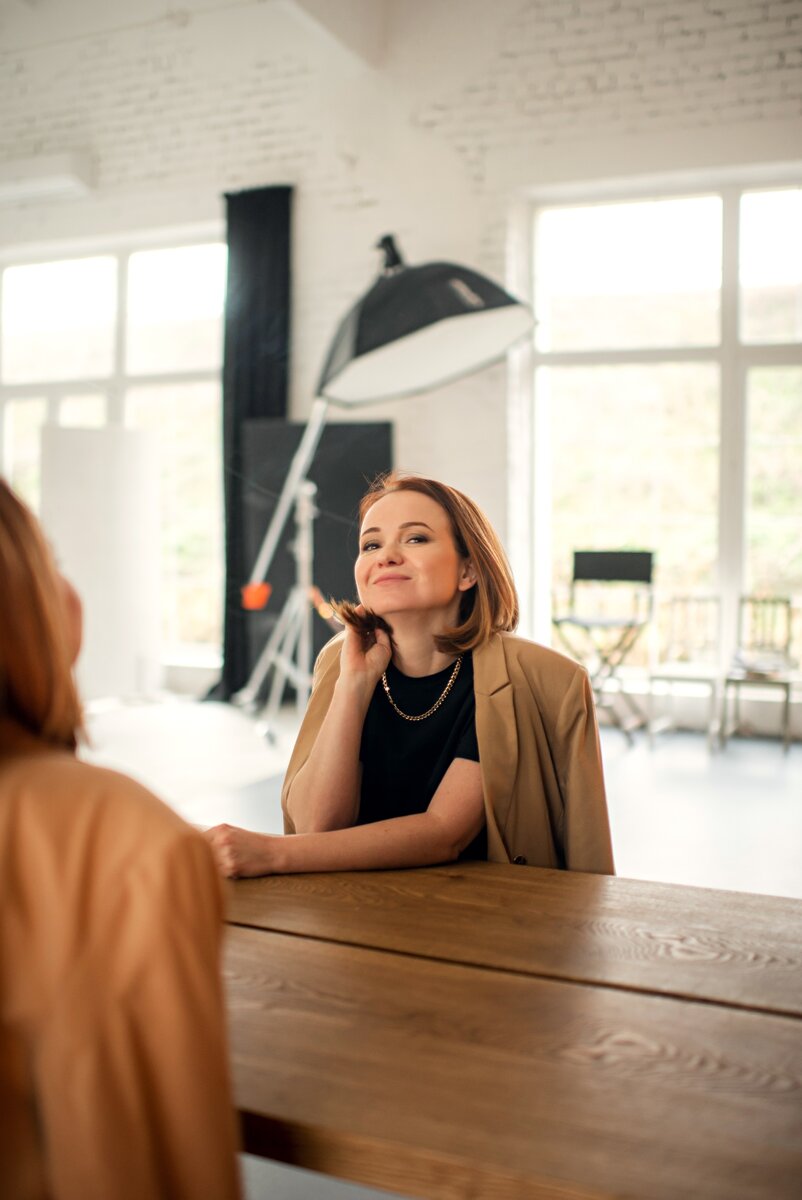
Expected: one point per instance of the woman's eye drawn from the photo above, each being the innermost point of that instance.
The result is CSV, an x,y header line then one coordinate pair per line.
x,y
418,537
369,546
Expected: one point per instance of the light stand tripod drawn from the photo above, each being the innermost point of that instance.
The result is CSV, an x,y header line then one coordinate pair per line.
x,y
289,648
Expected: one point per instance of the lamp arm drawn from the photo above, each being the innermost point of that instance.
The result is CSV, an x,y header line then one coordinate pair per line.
x,y
298,467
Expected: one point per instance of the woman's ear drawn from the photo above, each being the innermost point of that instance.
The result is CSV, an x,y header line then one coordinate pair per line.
x,y
467,575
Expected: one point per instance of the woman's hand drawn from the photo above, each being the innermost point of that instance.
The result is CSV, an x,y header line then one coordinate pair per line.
x,y
365,657
239,853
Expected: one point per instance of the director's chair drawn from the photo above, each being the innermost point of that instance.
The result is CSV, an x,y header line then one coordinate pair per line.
x,y
610,605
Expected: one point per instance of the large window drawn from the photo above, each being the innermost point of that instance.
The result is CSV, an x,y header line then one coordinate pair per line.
x,y
134,337
668,389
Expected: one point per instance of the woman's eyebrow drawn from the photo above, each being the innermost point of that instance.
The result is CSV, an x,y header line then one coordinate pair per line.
x,y
405,525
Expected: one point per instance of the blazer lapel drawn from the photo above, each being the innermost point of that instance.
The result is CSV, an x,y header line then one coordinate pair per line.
x,y
496,730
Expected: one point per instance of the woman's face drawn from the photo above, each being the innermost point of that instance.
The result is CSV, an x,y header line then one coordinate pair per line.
x,y
73,615
407,558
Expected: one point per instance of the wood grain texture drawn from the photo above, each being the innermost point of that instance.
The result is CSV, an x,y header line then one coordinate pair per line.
x,y
725,947
450,1082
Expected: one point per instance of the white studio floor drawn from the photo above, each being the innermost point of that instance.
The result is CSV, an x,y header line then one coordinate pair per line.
x,y
679,815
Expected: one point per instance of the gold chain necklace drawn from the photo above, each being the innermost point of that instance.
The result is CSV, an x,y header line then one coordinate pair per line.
x,y
437,703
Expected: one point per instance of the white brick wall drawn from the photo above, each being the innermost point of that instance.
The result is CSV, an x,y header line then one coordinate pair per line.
x,y
570,71
472,103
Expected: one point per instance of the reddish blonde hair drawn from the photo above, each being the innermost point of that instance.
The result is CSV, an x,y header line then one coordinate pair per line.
x,y
491,606
37,689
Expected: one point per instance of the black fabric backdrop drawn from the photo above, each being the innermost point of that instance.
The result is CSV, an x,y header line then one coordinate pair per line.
x,y
256,345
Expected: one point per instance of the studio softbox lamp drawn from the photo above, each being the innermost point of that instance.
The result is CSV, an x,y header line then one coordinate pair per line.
x,y
418,328
415,329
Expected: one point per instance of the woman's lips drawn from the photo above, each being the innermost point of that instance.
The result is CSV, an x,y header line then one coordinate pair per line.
x,y
391,579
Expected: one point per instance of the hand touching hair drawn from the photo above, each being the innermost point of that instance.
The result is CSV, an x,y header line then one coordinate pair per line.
x,y
357,617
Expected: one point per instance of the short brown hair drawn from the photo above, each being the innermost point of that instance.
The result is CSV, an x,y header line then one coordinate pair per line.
x,y
37,689
491,606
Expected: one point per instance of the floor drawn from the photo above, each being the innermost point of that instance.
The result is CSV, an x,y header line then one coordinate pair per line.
x,y
679,814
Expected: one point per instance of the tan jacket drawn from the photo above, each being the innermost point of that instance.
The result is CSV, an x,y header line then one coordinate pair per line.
x,y
538,748
113,1060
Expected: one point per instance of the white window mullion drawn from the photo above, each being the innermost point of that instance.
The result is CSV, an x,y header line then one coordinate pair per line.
x,y
115,413
732,453
618,358
522,510
100,383
543,486
782,354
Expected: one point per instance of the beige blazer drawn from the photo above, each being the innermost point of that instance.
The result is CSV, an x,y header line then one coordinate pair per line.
x,y
113,1061
538,747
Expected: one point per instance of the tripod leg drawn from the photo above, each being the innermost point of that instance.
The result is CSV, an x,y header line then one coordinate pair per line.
x,y
284,656
249,693
281,661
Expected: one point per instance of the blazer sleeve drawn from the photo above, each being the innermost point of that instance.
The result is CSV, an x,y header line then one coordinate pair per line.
x,y
133,1082
587,845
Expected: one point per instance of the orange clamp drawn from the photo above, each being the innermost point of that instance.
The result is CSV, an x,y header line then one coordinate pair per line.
x,y
255,596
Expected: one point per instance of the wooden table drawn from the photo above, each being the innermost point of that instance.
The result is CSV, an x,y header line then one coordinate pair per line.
x,y
507,1032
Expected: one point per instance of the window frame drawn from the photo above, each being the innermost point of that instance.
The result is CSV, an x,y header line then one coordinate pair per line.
x,y
529,532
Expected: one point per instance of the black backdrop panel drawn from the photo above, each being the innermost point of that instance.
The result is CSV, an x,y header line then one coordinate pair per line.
x,y
348,457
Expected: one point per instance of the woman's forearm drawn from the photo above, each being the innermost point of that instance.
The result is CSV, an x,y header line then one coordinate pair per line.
x,y
325,793
415,841
453,819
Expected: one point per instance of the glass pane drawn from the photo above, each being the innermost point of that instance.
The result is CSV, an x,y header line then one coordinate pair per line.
x,y
175,305
771,266
22,439
774,513
58,320
188,421
613,276
635,466
83,411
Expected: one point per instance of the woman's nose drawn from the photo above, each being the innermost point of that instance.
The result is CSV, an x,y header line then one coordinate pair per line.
x,y
390,553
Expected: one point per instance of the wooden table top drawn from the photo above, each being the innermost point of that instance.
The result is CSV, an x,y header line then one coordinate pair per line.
x,y
439,1079
728,948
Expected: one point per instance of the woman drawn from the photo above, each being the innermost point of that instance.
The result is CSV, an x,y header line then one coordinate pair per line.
x,y
113,1065
431,732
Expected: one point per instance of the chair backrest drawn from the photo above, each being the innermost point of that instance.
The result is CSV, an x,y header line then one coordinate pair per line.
x,y
613,566
764,625
612,580
689,629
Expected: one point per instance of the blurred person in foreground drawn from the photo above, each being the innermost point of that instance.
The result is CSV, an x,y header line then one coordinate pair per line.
x,y
113,1060
432,732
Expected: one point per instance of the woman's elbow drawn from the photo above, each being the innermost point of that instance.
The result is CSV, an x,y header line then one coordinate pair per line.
x,y
319,824
450,844
309,827
465,835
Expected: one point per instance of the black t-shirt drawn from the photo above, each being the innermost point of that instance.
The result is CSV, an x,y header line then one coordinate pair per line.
x,y
403,762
